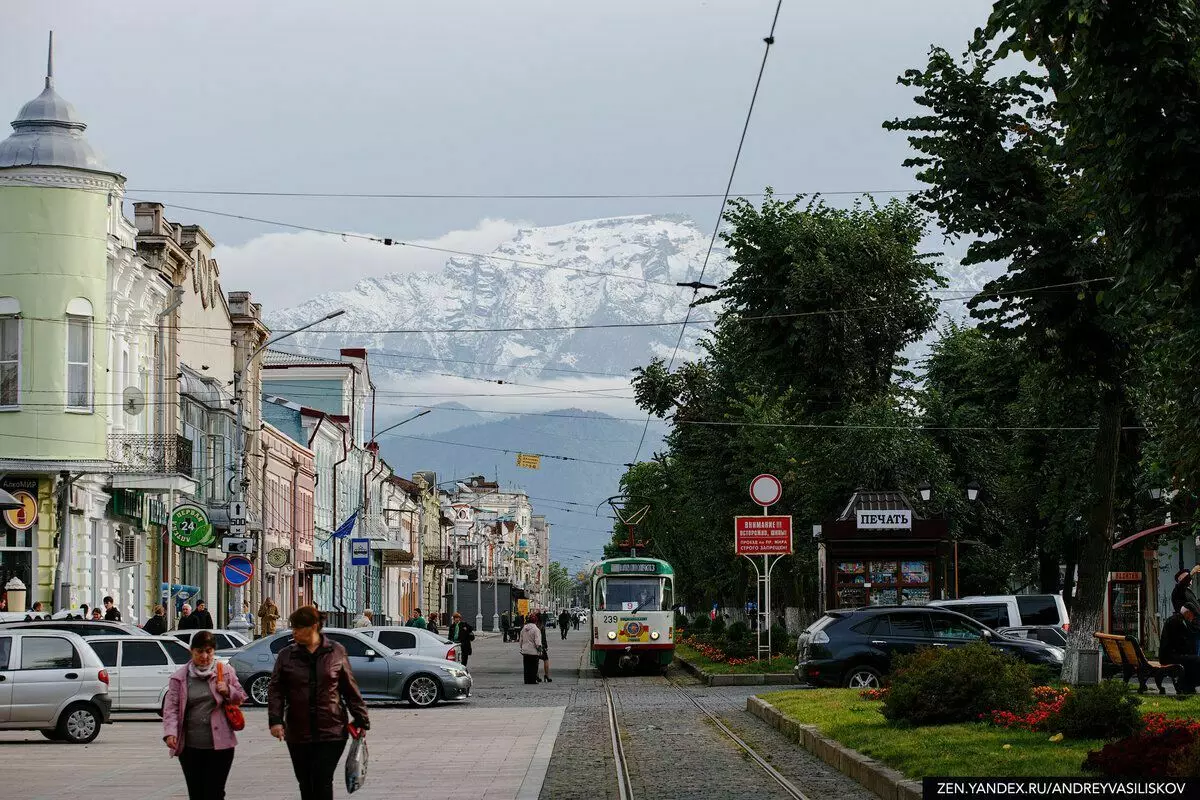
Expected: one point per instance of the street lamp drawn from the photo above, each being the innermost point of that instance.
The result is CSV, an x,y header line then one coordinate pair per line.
x,y
972,496
239,623
1156,493
926,491
973,491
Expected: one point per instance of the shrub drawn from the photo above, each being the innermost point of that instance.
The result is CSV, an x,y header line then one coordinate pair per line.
x,y
958,684
700,623
681,622
717,628
780,641
1043,716
737,632
1186,763
1166,748
1107,710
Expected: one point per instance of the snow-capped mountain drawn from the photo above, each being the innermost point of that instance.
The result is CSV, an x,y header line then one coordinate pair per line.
x,y
594,272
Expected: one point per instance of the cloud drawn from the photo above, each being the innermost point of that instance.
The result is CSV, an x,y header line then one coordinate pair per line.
x,y
285,269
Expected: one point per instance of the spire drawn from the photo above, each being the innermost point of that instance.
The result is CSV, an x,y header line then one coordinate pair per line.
x,y
50,63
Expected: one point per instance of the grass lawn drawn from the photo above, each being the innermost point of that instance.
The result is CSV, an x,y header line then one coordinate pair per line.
x,y
777,664
973,749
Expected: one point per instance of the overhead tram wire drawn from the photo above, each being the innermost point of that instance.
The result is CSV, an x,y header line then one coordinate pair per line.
x,y
484,196
769,41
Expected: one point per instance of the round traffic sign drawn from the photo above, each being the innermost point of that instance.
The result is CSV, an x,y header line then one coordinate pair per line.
x,y
766,490
237,570
189,525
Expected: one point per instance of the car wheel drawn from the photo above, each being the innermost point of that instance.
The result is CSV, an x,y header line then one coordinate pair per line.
x,y
259,685
51,734
79,724
423,691
863,678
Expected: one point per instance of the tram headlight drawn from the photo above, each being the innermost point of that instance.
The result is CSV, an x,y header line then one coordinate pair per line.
x,y
653,634
612,634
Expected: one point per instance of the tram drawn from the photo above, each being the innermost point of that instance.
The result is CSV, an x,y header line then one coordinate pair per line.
x,y
632,619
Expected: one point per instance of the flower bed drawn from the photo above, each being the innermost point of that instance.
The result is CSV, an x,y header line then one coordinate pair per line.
x,y
712,659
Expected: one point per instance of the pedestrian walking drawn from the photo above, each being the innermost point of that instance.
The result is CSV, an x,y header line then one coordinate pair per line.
x,y
204,620
310,700
505,626
111,614
157,624
364,620
564,620
545,654
431,625
195,725
417,620
530,641
246,616
268,613
187,622
575,620
463,634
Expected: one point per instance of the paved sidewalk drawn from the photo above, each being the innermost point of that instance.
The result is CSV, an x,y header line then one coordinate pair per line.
x,y
463,752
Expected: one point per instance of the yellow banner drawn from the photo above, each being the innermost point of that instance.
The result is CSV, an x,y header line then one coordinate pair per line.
x,y
527,461
523,607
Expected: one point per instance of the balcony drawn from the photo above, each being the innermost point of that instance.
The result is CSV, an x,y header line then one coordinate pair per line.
x,y
151,463
438,556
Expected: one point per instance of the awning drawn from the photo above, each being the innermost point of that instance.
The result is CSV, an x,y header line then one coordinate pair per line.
x,y
7,501
1146,533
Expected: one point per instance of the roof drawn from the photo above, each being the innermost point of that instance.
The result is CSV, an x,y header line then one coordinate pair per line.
x,y
863,500
281,358
48,133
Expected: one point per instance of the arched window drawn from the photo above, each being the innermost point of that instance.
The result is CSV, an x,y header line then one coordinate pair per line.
x,y
79,355
10,353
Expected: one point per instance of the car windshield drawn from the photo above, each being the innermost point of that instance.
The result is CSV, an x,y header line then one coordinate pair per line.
x,y
633,594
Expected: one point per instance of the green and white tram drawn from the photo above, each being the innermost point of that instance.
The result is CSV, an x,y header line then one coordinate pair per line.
x,y
633,622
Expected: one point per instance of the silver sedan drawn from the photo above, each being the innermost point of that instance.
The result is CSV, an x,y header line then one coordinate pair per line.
x,y
382,676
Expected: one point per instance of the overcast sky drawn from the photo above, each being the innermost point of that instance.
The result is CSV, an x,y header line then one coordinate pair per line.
x,y
516,97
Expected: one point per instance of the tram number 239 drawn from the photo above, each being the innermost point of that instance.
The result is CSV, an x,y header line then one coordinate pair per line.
x,y
610,619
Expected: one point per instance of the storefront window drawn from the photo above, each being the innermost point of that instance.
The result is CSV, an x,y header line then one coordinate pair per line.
x,y
881,583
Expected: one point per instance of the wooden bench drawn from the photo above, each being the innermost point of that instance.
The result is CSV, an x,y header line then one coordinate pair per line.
x,y
1125,652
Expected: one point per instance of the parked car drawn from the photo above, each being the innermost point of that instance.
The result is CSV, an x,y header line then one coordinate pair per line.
x,y
139,668
52,681
77,626
1048,634
382,675
412,641
22,616
226,639
854,648
1011,610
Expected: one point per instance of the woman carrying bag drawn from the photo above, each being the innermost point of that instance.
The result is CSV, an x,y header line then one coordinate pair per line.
x,y
200,715
311,690
530,642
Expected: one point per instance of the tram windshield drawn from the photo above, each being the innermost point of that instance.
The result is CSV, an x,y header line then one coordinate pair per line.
x,y
633,594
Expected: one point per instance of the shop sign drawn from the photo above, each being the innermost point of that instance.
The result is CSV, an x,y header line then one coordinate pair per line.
x,y
25,517
190,526
885,520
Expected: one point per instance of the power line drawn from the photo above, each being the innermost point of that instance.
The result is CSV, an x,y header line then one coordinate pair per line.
x,y
484,196
505,450
769,40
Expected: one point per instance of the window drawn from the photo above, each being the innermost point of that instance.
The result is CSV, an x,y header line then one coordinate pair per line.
x,y
79,354
280,643
948,627
48,652
867,627
5,652
397,640
142,654
178,652
10,353
1038,609
628,594
908,626
354,646
223,642
107,652
994,615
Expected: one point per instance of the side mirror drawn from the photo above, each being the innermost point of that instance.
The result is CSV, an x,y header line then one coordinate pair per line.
x,y
372,654
987,634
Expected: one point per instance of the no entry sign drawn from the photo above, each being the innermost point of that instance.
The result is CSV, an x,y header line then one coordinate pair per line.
x,y
762,536
237,570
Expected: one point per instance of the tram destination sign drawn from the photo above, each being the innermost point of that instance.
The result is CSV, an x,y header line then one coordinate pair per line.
x,y
643,567
762,536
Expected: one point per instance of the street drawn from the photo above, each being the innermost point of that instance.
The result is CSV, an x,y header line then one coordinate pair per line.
x,y
508,741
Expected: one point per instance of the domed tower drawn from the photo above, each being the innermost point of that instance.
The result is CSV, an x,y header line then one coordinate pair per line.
x,y
56,200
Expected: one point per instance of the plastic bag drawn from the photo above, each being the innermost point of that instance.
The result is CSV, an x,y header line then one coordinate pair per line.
x,y
356,763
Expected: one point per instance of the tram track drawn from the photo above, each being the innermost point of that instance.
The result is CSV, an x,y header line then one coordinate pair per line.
x,y
624,779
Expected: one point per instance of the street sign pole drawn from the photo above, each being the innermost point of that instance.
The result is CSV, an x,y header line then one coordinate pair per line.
x,y
766,539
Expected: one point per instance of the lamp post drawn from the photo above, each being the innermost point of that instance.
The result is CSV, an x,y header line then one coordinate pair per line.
x,y
239,623
925,490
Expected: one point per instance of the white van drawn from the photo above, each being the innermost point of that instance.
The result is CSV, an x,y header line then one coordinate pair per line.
x,y
1011,610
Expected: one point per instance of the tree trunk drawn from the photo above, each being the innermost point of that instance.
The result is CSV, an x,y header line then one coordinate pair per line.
x,y
1095,551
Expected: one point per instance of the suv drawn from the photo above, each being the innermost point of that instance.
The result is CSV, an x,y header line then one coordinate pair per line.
x,y
1011,610
53,682
854,648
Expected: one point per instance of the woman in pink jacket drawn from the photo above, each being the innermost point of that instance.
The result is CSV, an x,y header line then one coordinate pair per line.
x,y
194,723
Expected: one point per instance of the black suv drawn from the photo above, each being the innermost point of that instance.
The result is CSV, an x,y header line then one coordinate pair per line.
x,y
854,647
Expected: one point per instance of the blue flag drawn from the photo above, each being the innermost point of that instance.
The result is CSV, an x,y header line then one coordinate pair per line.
x,y
346,527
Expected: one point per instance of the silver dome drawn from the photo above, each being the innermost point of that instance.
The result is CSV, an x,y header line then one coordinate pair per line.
x,y
48,133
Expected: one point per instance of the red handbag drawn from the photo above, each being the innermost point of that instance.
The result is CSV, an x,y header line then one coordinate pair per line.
x,y
233,713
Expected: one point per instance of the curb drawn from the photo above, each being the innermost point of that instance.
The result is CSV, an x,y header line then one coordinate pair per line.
x,y
879,778
742,679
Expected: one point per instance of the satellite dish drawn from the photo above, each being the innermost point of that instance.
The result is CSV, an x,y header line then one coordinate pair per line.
x,y
133,401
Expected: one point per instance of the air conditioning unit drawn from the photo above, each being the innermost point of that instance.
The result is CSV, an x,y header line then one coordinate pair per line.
x,y
129,549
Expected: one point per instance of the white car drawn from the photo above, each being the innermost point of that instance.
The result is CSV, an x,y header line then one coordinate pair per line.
x,y
412,641
1011,610
139,668
226,639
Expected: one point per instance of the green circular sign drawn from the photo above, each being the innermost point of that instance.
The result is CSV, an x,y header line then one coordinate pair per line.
x,y
190,526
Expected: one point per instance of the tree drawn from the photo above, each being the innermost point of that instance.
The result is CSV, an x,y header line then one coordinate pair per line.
x,y
992,150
